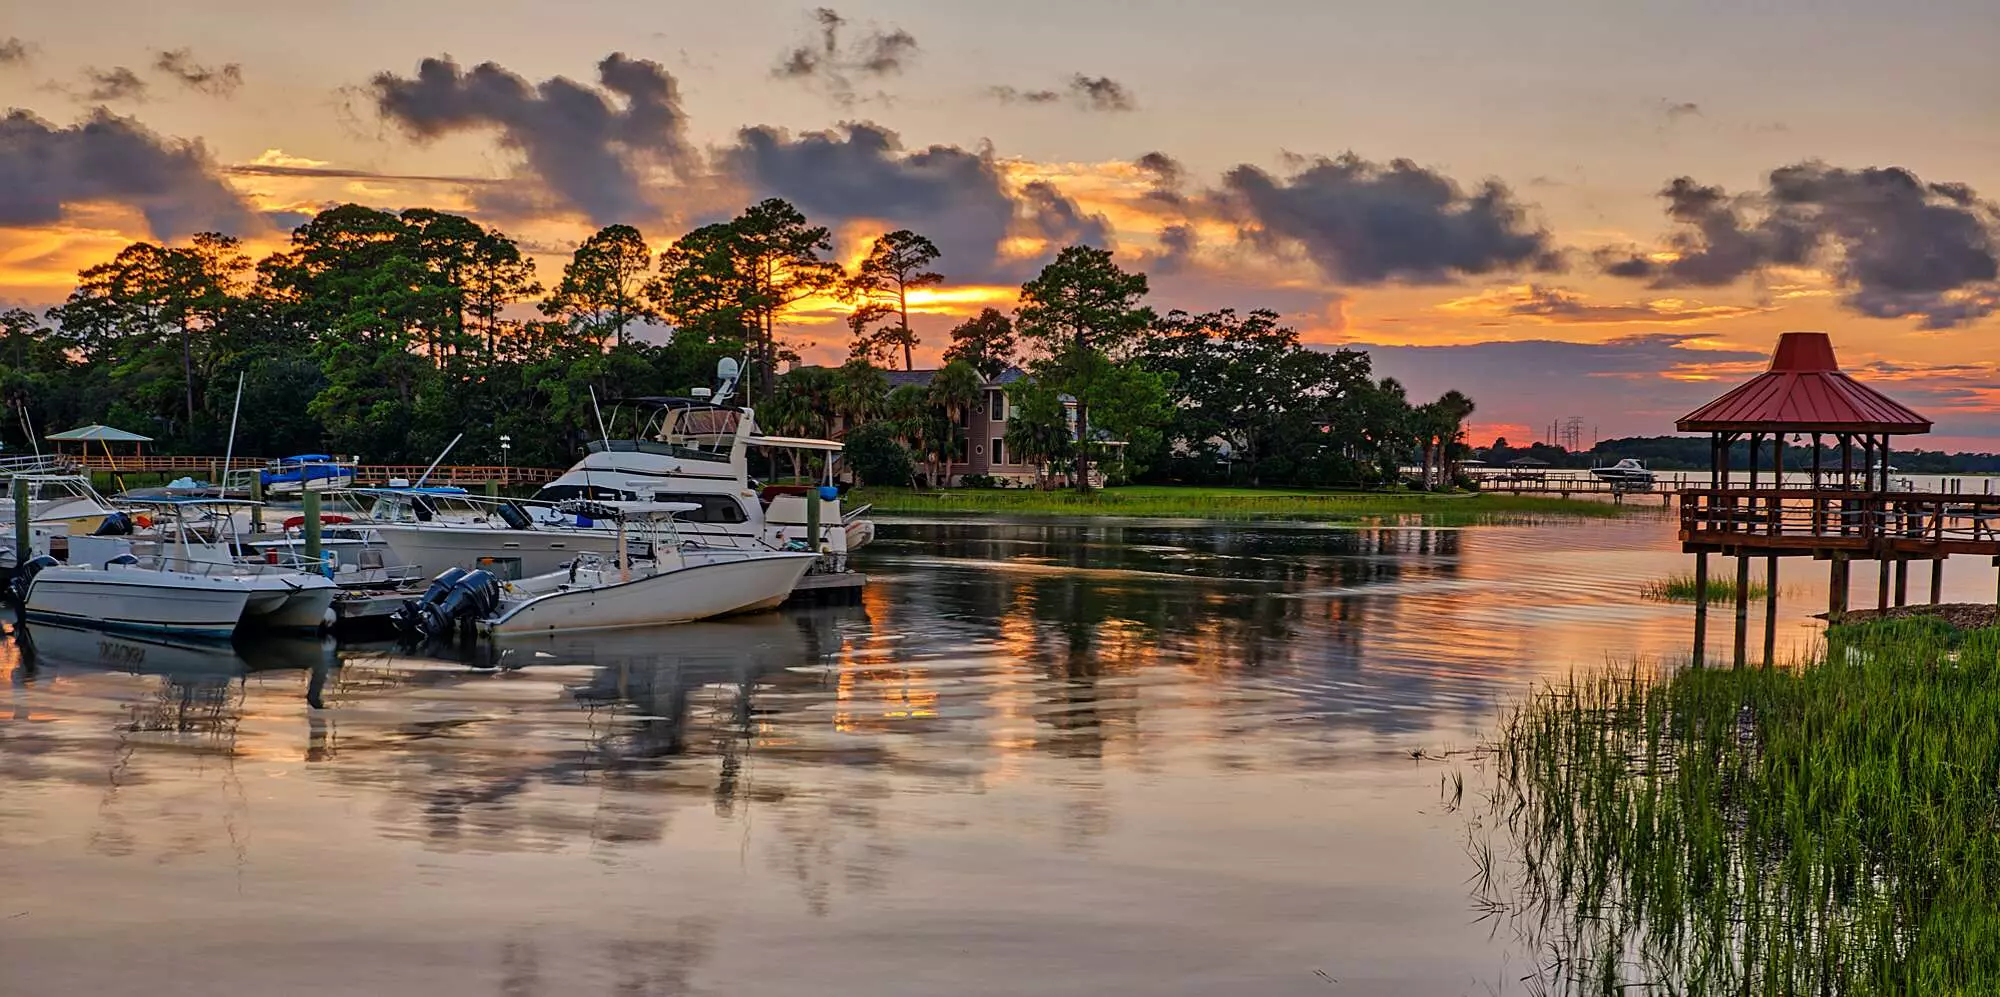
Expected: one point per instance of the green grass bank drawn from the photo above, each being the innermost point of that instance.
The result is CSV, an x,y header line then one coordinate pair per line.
x,y
1177,502
1832,827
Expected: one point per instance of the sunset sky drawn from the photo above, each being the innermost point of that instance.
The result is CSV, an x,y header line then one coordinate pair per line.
x,y
1508,219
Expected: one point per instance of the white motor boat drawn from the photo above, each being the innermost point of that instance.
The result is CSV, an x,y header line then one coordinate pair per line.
x,y
666,582
692,450
124,594
195,536
59,505
1628,471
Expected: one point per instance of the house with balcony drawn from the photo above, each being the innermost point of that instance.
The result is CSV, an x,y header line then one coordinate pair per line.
x,y
985,426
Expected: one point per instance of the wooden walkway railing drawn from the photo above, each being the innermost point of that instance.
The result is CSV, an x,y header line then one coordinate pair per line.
x,y
1918,524
211,469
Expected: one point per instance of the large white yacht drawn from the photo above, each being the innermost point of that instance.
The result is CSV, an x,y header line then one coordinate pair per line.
x,y
693,450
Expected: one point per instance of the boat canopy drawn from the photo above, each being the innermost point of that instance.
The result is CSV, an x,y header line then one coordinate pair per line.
x,y
413,490
304,458
796,443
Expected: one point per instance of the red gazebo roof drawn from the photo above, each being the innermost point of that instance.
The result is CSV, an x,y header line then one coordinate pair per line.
x,y
1804,391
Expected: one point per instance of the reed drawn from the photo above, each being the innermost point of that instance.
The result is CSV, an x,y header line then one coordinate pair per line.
x,y
1178,502
1827,828
1681,588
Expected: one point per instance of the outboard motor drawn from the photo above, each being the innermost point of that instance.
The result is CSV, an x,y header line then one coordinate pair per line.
x,y
26,573
408,619
116,524
474,595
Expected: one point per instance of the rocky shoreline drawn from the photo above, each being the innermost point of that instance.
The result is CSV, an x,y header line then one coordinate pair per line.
x,y
1963,615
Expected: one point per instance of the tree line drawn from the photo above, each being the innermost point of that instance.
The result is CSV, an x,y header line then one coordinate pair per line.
x,y
386,334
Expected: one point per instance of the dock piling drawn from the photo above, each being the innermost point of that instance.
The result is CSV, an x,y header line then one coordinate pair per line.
x,y
1742,609
1700,609
1937,581
257,509
21,533
1770,611
310,527
1882,588
1902,581
1836,587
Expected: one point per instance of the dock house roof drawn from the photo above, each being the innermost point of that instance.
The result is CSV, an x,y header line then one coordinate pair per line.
x,y
1804,390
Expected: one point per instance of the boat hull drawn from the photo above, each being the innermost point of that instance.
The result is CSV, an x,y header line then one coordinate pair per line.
x,y
535,552
698,591
303,602
137,600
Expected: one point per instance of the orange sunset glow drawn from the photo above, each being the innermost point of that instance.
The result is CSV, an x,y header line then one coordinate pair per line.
x,y
1421,227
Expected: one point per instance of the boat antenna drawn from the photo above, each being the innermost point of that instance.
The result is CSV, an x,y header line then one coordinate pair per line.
x,y
229,452
601,434
28,426
439,460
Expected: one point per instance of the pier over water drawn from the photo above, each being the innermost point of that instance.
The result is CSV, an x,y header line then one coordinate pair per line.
x,y
1842,510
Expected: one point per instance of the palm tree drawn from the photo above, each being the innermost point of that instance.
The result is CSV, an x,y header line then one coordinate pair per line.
x,y
1452,409
857,392
953,391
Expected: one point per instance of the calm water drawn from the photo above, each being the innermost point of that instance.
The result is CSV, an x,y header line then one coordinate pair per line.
x,y
1051,758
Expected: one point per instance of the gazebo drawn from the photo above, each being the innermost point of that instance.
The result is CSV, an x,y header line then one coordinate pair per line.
x,y
1805,391
104,437
1836,515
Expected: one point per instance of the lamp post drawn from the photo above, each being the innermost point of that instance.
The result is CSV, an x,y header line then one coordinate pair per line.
x,y
506,444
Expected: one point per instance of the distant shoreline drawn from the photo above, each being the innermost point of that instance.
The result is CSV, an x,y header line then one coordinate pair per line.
x,y
1234,504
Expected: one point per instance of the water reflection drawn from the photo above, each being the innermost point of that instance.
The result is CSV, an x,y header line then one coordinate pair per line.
x,y
1021,724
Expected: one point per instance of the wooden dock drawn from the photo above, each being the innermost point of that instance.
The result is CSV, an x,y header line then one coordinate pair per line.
x,y
1568,485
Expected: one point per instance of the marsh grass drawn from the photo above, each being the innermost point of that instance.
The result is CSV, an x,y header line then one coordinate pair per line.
x,y
1177,502
1828,828
1681,588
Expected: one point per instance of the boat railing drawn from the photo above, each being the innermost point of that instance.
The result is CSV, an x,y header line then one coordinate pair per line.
x,y
658,448
38,464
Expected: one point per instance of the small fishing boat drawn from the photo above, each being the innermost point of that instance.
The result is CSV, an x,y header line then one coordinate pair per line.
x,y
655,580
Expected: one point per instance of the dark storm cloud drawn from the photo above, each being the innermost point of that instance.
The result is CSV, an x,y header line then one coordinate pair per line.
x,y
1367,223
1164,169
1898,246
14,51
217,81
1101,93
44,168
958,198
116,83
1057,219
592,154
1177,246
825,62
1089,93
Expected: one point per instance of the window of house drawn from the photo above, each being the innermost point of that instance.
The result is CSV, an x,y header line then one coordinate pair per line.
x,y
997,402
999,450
